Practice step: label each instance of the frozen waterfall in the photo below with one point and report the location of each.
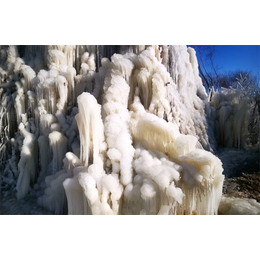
(112, 129)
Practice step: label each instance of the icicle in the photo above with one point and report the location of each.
(58, 145)
(61, 85)
(27, 164)
(91, 129)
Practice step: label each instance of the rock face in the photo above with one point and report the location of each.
(108, 130)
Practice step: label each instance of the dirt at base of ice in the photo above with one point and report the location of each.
(244, 186)
(241, 188)
(241, 195)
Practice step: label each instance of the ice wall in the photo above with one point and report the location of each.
(236, 119)
(188, 94)
(108, 129)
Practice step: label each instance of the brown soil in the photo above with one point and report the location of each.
(244, 186)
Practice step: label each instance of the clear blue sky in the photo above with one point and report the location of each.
(237, 57)
(234, 57)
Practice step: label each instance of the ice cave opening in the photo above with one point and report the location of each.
(127, 130)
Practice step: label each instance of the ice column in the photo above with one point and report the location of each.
(27, 164)
(91, 190)
(117, 118)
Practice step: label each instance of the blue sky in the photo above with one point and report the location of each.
(234, 57)
(237, 57)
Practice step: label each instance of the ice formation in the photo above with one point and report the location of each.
(110, 129)
(239, 206)
(231, 113)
